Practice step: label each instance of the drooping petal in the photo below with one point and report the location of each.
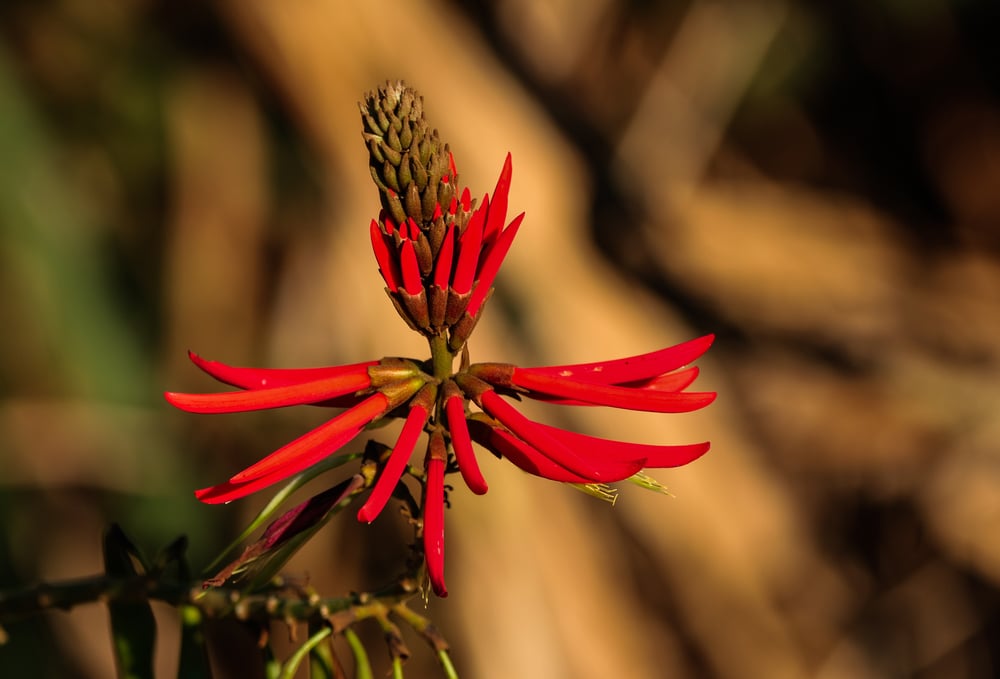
(610, 395)
(318, 443)
(393, 469)
(553, 448)
(454, 410)
(655, 456)
(259, 378)
(632, 368)
(434, 515)
(313, 391)
(301, 453)
(523, 456)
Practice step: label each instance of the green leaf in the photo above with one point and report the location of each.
(133, 629)
(275, 503)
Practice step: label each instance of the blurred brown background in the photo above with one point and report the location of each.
(817, 183)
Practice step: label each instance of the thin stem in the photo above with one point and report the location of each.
(441, 357)
(217, 602)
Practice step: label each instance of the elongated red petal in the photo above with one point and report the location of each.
(394, 467)
(658, 456)
(610, 395)
(313, 391)
(410, 269)
(491, 265)
(298, 455)
(676, 381)
(442, 268)
(498, 205)
(632, 368)
(553, 448)
(454, 411)
(521, 455)
(434, 525)
(258, 378)
(318, 443)
(386, 263)
(469, 247)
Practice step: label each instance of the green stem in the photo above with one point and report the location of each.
(441, 357)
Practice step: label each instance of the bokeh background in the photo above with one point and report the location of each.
(818, 183)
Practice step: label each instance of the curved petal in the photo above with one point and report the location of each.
(318, 443)
(454, 410)
(539, 438)
(632, 368)
(612, 396)
(520, 454)
(259, 378)
(434, 523)
(393, 469)
(658, 456)
(314, 391)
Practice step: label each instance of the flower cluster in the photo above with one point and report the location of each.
(438, 254)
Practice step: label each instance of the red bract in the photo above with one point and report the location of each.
(439, 257)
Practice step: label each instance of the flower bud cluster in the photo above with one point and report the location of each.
(437, 252)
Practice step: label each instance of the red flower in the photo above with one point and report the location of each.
(439, 256)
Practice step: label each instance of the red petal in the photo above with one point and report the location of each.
(410, 268)
(553, 448)
(394, 467)
(498, 208)
(632, 368)
(318, 443)
(469, 247)
(322, 441)
(442, 269)
(609, 395)
(454, 411)
(491, 265)
(434, 525)
(676, 381)
(521, 454)
(314, 391)
(658, 456)
(386, 264)
(258, 378)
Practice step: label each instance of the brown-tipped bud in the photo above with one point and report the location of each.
(472, 387)
(437, 302)
(425, 258)
(400, 392)
(497, 374)
(406, 156)
(457, 304)
(461, 331)
(403, 313)
(390, 370)
(416, 308)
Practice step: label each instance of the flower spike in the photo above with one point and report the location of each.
(439, 255)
